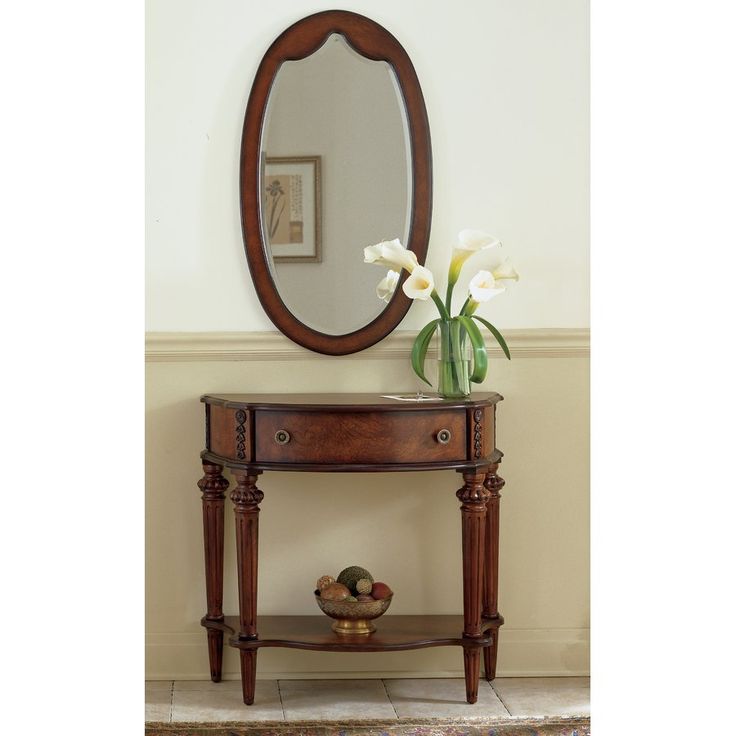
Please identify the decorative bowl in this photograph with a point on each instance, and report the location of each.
(353, 617)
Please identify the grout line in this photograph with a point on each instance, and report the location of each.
(383, 682)
(171, 702)
(281, 700)
(501, 699)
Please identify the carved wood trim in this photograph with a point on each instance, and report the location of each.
(477, 435)
(241, 418)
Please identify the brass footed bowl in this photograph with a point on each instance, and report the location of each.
(353, 617)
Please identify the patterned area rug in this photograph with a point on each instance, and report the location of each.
(553, 726)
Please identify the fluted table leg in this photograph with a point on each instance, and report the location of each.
(246, 497)
(473, 497)
(493, 483)
(213, 486)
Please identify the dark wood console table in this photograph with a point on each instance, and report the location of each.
(350, 433)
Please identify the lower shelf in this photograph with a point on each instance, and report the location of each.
(393, 633)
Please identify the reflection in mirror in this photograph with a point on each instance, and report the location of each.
(335, 177)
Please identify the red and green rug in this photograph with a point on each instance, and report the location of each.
(551, 726)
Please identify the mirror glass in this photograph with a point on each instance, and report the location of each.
(335, 165)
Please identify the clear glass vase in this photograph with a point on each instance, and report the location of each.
(453, 361)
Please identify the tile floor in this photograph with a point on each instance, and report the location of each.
(332, 700)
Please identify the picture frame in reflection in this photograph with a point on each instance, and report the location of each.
(292, 208)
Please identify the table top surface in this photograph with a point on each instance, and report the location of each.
(380, 401)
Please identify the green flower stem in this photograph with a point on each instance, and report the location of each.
(440, 306)
(448, 296)
(454, 377)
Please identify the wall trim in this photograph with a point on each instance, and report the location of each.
(261, 346)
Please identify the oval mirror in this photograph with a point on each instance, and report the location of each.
(335, 157)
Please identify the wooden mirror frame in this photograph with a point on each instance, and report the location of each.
(297, 42)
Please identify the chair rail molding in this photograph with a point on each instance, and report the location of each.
(264, 346)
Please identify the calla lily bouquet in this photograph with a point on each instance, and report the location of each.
(455, 374)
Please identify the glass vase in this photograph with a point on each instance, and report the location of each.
(453, 361)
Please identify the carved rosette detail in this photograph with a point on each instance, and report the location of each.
(494, 482)
(477, 433)
(240, 417)
(473, 495)
(213, 485)
(246, 495)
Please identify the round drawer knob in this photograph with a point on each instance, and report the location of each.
(444, 436)
(282, 437)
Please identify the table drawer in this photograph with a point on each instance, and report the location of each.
(361, 437)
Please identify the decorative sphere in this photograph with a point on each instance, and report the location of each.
(324, 581)
(365, 597)
(380, 591)
(364, 585)
(350, 576)
(351, 599)
(334, 592)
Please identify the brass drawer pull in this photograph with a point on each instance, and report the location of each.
(444, 436)
(282, 437)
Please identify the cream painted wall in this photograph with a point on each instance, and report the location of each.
(506, 85)
(506, 88)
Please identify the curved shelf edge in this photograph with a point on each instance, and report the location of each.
(394, 633)
(228, 625)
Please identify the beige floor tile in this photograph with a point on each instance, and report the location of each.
(442, 698)
(158, 704)
(208, 685)
(227, 704)
(544, 696)
(331, 700)
(158, 685)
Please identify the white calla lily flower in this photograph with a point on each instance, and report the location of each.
(391, 253)
(499, 266)
(484, 287)
(420, 284)
(386, 288)
(487, 284)
(469, 242)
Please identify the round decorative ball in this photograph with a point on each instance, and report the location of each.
(350, 576)
(365, 597)
(324, 581)
(380, 591)
(364, 585)
(334, 592)
(351, 599)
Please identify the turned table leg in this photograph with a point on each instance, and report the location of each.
(473, 497)
(246, 498)
(493, 483)
(213, 486)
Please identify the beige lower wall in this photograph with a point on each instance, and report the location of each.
(404, 527)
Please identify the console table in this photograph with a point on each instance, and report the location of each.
(250, 434)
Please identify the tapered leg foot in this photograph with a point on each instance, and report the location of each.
(472, 673)
(248, 674)
(490, 655)
(214, 647)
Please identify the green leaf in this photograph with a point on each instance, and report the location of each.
(419, 349)
(495, 334)
(480, 356)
